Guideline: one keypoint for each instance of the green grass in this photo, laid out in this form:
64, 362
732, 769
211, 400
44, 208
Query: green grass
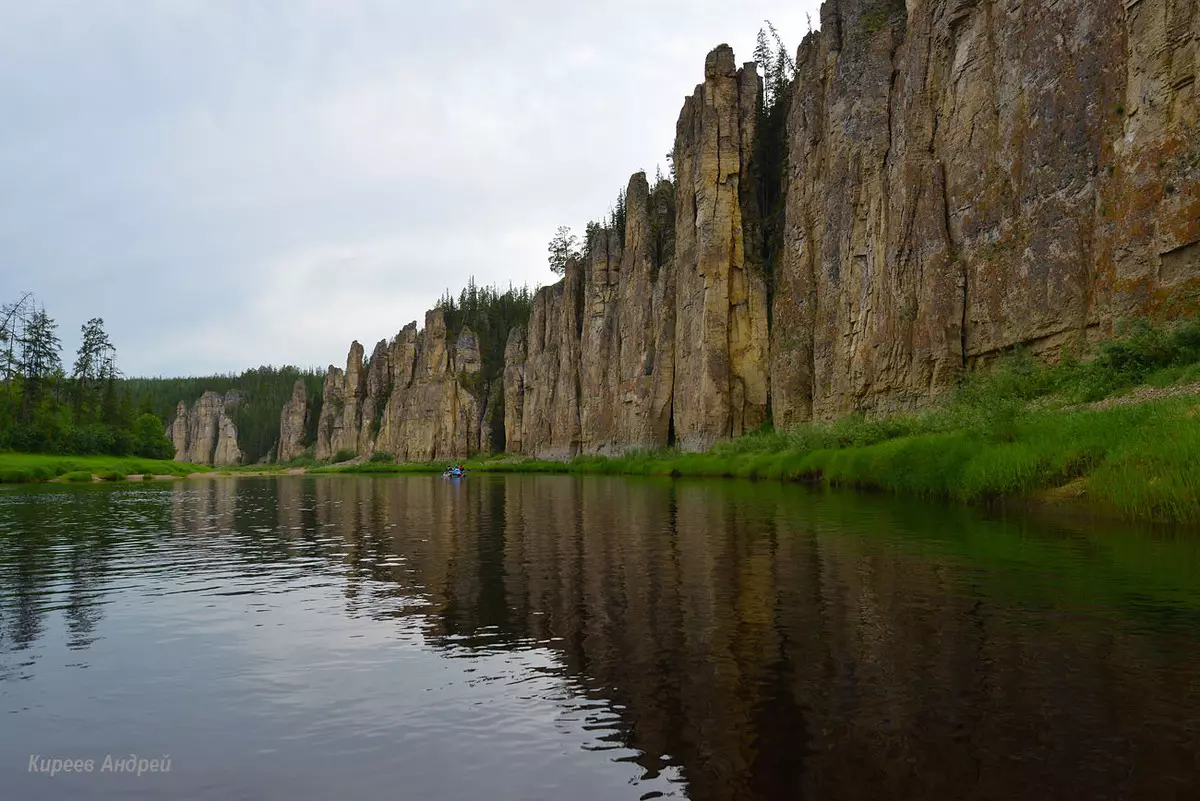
18, 468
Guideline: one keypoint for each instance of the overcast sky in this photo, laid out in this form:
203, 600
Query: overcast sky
235, 183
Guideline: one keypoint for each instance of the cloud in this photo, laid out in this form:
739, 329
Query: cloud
230, 184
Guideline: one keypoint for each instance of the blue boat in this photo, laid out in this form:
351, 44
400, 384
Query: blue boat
454, 472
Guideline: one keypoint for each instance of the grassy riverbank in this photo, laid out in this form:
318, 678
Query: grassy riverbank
18, 468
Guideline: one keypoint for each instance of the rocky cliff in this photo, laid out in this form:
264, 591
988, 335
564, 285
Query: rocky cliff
206, 433
962, 177
966, 176
292, 424
416, 398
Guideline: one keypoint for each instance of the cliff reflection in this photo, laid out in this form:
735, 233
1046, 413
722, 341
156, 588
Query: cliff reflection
773, 644
757, 641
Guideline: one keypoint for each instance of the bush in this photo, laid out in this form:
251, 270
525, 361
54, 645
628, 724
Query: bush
78, 476
345, 455
382, 456
110, 475
149, 439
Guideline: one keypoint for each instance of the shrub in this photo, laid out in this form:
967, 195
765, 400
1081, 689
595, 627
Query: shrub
78, 476
382, 456
149, 439
345, 455
110, 475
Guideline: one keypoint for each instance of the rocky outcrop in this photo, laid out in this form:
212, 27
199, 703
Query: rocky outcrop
550, 358
721, 341
592, 371
206, 433
341, 407
293, 423
439, 411
514, 390
967, 176
417, 398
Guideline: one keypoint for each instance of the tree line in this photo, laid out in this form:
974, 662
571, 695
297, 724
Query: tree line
45, 409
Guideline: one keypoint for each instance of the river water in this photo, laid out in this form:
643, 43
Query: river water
546, 637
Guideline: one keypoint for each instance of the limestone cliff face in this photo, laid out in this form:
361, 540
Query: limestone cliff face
416, 398
206, 433
970, 175
292, 424
721, 341
592, 372
435, 413
514, 391
550, 413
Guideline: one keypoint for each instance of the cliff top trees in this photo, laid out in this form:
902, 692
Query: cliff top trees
563, 247
770, 145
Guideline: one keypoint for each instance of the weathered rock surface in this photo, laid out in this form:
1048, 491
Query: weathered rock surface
721, 340
592, 371
550, 413
206, 433
417, 398
293, 422
969, 175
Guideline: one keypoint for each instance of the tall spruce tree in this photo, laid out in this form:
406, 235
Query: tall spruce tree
40, 358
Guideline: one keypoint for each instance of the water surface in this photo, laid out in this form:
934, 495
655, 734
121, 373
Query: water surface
546, 637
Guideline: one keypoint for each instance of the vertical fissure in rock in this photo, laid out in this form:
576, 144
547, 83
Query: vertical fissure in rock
959, 264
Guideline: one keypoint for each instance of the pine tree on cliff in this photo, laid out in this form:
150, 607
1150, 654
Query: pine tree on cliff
563, 248
770, 145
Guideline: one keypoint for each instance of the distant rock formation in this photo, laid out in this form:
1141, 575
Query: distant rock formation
206, 433
293, 422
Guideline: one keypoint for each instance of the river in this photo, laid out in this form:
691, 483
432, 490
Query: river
558, 637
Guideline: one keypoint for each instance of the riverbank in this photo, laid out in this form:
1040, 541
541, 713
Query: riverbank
21, 468
1118, 436
1131, 457
1133, 461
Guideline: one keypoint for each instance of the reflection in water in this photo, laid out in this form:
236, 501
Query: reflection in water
725, 640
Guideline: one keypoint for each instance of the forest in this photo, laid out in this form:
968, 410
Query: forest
93, 408
46, 409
